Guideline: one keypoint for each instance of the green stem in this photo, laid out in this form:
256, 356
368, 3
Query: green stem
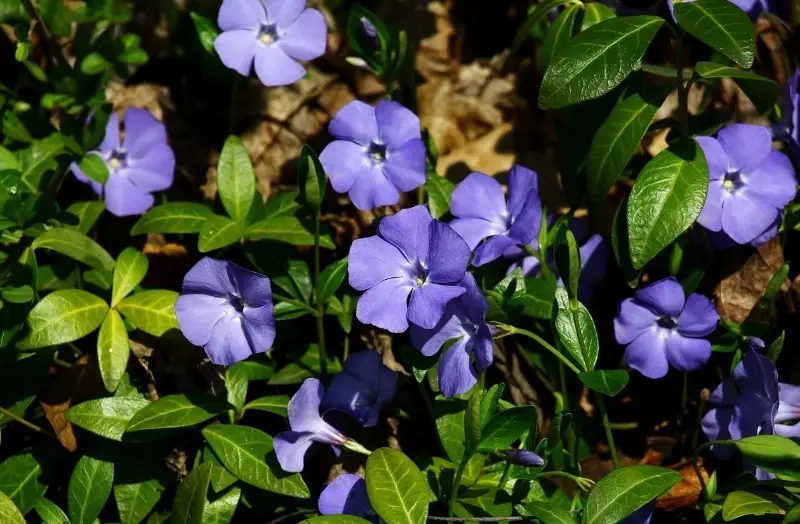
323, 357
696, 455
456, 484
683, 92
17, 418
346, 350
513, 330
582, 483
352, 445
666, 72
504, 478
607, 426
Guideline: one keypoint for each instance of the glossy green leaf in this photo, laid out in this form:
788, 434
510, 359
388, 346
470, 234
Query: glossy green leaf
87, 213
17, 295
576, 331
331, 279
135, 500
449, 414
506, 427
175, 217
311, 179
489, 403
304, 366
666, 199
221, 510
778, 455
621, 246
597, 60
190, 500
39, 159
63, 316
720, 24
283, 204
10, 514
278, 404
107, 417
47, 510
762, 91
236, 385
247, 453
473, 423
537, 13
75, 245
129, 271
152, 311
22, 481
397, 489
236, 180
743, 503
539, 295
618, 138
625, 490
568, 260
94, 168
206, 31
440, 193
218, 232
174, 411
113, 349
594, 13
607, 382
547, 513
288, 229
89, 489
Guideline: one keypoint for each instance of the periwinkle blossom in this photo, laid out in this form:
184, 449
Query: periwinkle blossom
409, 271
346, 495
641, 515
749, 183
273, 34
226, 309
139, 164
482, 212
368, 28
524, 458
378, 153
662, 327
471, 351
362, 388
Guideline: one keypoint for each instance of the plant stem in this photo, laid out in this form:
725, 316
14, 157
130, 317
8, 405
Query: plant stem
513, 330
323, 357
577, 480
504, 477
607, 426
51, 46
696, 455
667, 72
456, 483
17, 418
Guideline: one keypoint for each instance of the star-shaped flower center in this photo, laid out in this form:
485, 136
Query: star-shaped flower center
268, 33
666, 322
118, 159
377, 152
732, 181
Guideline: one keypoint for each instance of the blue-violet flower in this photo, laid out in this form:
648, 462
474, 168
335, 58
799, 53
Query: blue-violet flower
346, 495
362, 388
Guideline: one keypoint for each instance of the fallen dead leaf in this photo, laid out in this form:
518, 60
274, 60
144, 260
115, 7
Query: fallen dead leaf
685, 493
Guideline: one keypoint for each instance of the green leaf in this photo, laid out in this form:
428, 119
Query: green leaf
47, 510
720, 24
107, 417
546, 512
761, 91
129, 271
576, 331
440, 193
113, 349
539, 295
10, 514
206, 31
221, 510
397, 489
597, 60
449, 414
8, 160
506, 427
236, 180
472, 423
282, 204
594, 14
666, 199
39, 159
94, 64
742, 503
75, 245
87, 212
621, 246
489, 403
152, 311
190, 500
174, 411
625, 490
236, 385
89, 489
305, 366
606, 382
311, 179
278, 404
218, 232
331, 279
248, 453
538, 13
21, 481
778, 455
63, 316
618, 138
568, 260
17, 295
175, 217
292, 230
94, 168
135, 500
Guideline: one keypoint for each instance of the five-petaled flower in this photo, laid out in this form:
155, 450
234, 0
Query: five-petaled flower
471, 352
663, 327
481, 213
378, 153
362, 387
138, 165
307, 427
346, 495
271, 33
412, 255
227, 310
749, 183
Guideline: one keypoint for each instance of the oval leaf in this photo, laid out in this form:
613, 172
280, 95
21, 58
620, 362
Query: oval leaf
89, 489
278, 404
152, 311
761, 91
311, 179
568, 260
48, 511
21, 480
75, 245
174, 411
506, 427
606, 382
190, 500
135, 500
595, 13
218, 232
558, 35
547, 513
576, 330
397, 489
743, 503
778, 455
129, 271
534, 15
10, 514
94, 167
625, 490
331, 279
291, 230
113, 349
440, 193
63, 316
720, 24
107, 417
221, 510
176, 217
236, 180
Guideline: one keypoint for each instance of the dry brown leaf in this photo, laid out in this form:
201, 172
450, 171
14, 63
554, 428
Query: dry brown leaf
685, 493
484, 154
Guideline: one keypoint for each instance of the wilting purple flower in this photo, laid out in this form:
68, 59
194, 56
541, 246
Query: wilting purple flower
412, 254
378, 154
362, 388
521, 457
346, 495
137, 166
661, 327
471, 352
749, 183
481, 213
271, 33
641, 515
226, 309
307, 427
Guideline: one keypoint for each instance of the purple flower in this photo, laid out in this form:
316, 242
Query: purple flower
368, 28
481, 213
362, 388
661, 327
412, 255
274, 34
307, 427
749, 183
138, 165
471, 352
379, 152
788, 127
227, 310
346, 495
641, 515
521, 457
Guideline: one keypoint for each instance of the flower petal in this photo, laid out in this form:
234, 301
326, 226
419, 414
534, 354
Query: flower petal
789, 403
355, 122
396, 124
715, 426
594, 261
744, 218
632, 320
409, 231
699, 317
745, 144
773, 181
521, 181
156, 170
275, 68
290, 448
711, 214
372, 188
473, 230
448, 255
405, 166
209, 277
306, 38
716, 157
664, 298
228, 343
362, 388
373, 260
687, 354
259, 327
236, 49
303, 407
198, 315
456, 374
253, 287
284, 12
427, 304
123, 198
385, 305
757, 374
111, 139
647, 354
526, 223
430, 341
142, 132
479, 196
342, 161
241, 14
483, 348
492, 249
346, 495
